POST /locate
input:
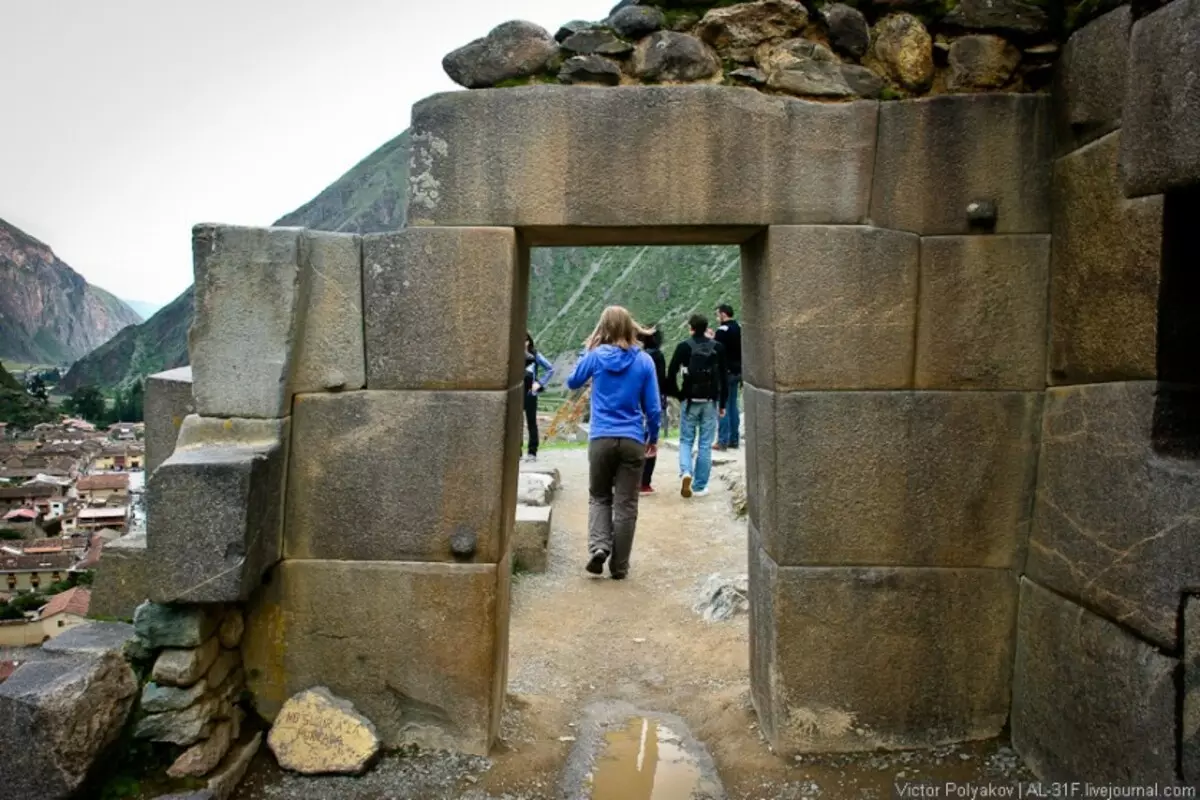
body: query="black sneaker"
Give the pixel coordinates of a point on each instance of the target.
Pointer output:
(618, 575)
(595, 565)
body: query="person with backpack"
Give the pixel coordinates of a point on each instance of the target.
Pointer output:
(700, 361)
(652, 344)
(626, 412)
(534, 384)
(729, 334)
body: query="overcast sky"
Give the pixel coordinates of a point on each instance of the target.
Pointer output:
(128, 121)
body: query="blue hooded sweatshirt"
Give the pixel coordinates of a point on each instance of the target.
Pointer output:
(624, 392)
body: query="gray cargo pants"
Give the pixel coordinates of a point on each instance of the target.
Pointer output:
(615, 475)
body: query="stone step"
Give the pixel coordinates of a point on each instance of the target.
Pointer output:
(531, 538)
(534, 468)
(535, 489)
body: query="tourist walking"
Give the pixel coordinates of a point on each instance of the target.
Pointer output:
(700, 361)
(626, 411)
(729, 334)
(538, 372)
(652, 344)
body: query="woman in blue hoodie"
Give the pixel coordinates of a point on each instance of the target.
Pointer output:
(626, 413)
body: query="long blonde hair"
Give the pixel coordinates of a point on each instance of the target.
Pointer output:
(618, 328)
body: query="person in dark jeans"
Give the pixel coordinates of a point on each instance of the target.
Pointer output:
(729, 334)
(652, 344)
(626, 412)
(535, 382)
(701, 362)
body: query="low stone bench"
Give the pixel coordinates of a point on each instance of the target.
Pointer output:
(531, 538)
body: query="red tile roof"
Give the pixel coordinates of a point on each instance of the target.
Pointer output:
(93, 482)
(72, 601)
(37, 563)
(21, 513)
(7, 668)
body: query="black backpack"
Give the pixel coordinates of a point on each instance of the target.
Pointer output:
(701, 378)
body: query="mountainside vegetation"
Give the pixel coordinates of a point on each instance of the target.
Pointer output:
(48, 313)
(568, 286)
(19, 408)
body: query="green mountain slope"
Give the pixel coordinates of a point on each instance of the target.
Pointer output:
(48, 313)
(17, 407)
(568, 287)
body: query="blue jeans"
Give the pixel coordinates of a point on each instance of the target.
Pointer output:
(701, 419)
(727, 434)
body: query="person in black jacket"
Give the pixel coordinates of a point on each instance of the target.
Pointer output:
(700, 360)
(729, 334)
(652, 344)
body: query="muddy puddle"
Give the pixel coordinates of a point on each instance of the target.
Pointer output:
(645, 760)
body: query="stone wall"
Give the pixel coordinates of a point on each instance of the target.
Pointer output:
(1103, 679)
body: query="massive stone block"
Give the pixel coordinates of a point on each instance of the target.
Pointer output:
(57, 717)
(330, 352)
(1089, 81)
(168, 401)
(246, 323)
(636, 156)
(833, 306)
(122, 581)
(445, 309)
(941, 154)
(1160, 149)
(214, 510)
(931, 479)
(1115, 522)
(849, 659)
(421, 652)
(1090, 702)
(531, 537)
(982, 317)
(403, 476)
(1105, 263)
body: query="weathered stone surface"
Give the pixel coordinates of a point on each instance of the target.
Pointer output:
(531, 538)
(1015, 16)
(811, 79)
(1104, 285)
(222, 667)
(94, 638)
(903, 50)
(1089, 87)
(511, 50)
(669, 57)
(436, 678)
(848, 30)
(622, 751)
(122, 581)
(545, 470)
(199, 794)
(836, 305)
(467, 286)
(981, 62)
(57, 716)
(1159, 147)
(316, 733)
(772, 56)
(1090, 702)
(1189, 733)
(203, 757)
(981, 320)
(594, 42)
(176, 667)
(590, 69)
(232, 627)
(1114, 522)
(860, 658)
(864, 82)
(157, 699)
(929, 479)
(162, 625)
(736, 30)
(229, 774)
(568, 29)
(329, 354)
(569, 171)
(344, 451)
(168, 400)
(634, 22)
(184, 727)
(246, 322)
(938, 155)
(534, 489)
(214, 510)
